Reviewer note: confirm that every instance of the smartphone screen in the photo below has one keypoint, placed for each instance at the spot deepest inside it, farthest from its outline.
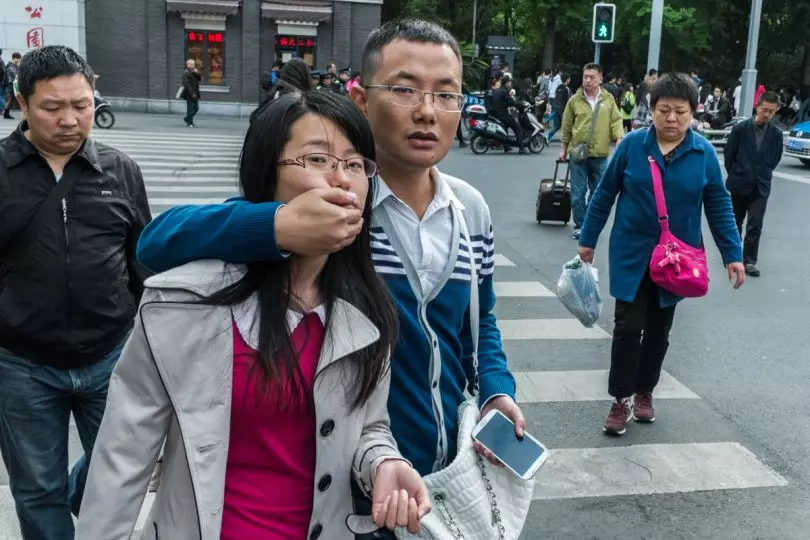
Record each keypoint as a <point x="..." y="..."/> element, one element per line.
<point x="498" y="435"/>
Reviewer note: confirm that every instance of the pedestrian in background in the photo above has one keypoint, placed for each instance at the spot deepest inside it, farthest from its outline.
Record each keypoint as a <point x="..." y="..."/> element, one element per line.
<point x="191" y="91"/>
<point x="71" y="284"/>
<point x="591" y="122"/>
<point x="560" y="101"/>
<point x="753" y="151"/>
<point x="12" y="68"/>
<point x="692" y="179"/>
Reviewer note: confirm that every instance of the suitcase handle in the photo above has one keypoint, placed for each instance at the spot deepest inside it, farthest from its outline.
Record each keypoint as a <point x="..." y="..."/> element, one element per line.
<point x="557" y="168"/>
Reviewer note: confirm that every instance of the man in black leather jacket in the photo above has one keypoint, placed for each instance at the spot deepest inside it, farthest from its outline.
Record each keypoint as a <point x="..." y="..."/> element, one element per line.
<point x="68" y="302"/>
<point x="501" y="101"/>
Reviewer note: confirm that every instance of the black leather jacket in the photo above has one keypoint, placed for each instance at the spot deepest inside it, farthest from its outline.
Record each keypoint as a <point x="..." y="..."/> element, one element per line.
<point x="72" y="295"/>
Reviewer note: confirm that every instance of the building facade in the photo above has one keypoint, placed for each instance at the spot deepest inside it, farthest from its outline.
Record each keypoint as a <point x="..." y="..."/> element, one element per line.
<point x="30" y="24"/>
<point x="139" y="47"/>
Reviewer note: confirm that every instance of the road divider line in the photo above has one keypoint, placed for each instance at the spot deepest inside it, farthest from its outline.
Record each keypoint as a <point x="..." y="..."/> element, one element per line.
<point x="523" y="329"/>
<point x="651" y="468"/>
<point x="586" y="385"/>
<point x="511" y="289"/>
<point x="792" y="177"/>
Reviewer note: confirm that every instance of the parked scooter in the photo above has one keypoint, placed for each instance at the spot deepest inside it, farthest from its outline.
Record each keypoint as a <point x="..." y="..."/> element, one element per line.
<point x="490" y="133"/>
<point x="105" y="119"/>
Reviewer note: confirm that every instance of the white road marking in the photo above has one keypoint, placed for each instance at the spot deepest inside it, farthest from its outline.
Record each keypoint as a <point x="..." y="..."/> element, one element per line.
<point x="501" y="260"/>
<point x="651" y="468"/>
<point x="548" y="329"/>
<point x="521" y="289"/>
<point x="792" y="177"/>
<point x="589" y="385"/>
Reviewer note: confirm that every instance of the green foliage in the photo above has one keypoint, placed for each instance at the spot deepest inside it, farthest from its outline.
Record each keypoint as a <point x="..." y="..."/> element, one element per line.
<point x="475" y="69"/>
<point x="710" y="36"/>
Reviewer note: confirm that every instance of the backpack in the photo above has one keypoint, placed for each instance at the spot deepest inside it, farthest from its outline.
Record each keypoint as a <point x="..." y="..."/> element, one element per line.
<point x="627" y="105"/>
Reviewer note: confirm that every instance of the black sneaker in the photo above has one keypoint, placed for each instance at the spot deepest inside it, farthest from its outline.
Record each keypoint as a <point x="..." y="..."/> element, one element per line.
<point x="752" y="270"/>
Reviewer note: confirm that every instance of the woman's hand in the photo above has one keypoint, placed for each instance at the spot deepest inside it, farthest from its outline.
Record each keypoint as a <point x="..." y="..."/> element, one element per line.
<point x="586" y="254"/>
<point x="736" y="272"/>
<point x="400" y="496"/>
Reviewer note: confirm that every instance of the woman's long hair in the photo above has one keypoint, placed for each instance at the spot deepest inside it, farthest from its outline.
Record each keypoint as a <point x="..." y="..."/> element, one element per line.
<point x="294" y="77"/>
<point x="348" y="274"/>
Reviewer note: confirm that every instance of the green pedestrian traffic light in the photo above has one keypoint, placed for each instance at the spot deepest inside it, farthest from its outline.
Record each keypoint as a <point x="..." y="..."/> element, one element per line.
<point x="604" y="21"/>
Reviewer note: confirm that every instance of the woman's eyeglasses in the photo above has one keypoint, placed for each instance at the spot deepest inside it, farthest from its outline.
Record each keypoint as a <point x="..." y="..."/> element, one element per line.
<point x="405" y="96"/>
<point x="357" y="166"/>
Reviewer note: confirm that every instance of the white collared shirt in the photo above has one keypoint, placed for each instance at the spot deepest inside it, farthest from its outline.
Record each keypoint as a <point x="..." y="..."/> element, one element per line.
<point x="246" y="317"/>
<point x="426" y="242"/>
<point x="593" y="101"/>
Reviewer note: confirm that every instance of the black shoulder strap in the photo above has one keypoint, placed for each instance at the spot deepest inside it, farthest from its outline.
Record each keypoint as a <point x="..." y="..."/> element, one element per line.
<point x="26" y="237"/>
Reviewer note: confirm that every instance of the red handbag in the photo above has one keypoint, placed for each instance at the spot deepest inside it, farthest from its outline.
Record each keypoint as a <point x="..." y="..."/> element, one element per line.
<point x="675" y="266"/>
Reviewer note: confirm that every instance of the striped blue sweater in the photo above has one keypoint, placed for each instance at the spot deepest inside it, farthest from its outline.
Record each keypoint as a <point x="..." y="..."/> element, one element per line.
<point x="432" y="362"/>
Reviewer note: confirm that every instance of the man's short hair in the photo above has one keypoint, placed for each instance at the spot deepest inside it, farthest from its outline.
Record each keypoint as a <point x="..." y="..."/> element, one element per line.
<point x="593" y="67"/>
<point x="652" y="72"/>
<point x="565" y="76"/>
<point x="50" y="62"/>
<point x="769" y="97"/>
<point x="413" y="30"/>
<point x="675" y="86"/>
<point x="15" y="55"/>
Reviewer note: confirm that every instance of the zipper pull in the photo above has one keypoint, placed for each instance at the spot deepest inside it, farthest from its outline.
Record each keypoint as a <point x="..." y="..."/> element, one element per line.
<point x="64" y="211"/>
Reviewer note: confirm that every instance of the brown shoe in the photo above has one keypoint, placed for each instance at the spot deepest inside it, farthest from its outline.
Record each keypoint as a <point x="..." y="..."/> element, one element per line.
<point x="616" y="423"/>
<point x="643" y="408"/>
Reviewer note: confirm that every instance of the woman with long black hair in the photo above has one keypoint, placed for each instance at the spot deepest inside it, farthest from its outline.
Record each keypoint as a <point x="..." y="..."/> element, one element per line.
<point x="268" y="381"/>
<point x="294" y="76"/>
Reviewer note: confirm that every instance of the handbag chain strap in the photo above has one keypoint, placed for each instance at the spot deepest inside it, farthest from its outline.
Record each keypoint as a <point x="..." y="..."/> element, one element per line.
<point x="474" y="329"/>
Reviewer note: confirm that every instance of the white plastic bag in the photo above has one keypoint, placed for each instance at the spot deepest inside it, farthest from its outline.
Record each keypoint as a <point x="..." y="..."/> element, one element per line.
<point x="578" y="290"/>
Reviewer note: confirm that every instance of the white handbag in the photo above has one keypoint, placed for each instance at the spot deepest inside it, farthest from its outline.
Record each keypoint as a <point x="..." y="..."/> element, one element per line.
<point x="471" y="498"/>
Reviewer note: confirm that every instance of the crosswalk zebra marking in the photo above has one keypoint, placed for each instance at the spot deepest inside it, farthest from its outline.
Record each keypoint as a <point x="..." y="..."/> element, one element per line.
<point x="502" y="260"/>
<point x="587" y="385"/>
<point x="647" y="469"/>
<point x="548" y="329"/>
<point x="507" y="289"/>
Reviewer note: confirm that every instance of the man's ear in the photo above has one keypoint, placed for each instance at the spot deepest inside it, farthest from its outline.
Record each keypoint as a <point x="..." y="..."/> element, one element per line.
<point x="23" y="105"/>
<point x="358" y="95"/>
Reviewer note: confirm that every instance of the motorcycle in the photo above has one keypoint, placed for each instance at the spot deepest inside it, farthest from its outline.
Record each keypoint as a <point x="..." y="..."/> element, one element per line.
<point x="490" y="133"/>
<point x="105" y="119"/>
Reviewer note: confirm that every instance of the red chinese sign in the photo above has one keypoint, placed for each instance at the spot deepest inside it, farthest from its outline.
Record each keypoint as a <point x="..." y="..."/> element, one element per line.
<point x="293" y="42"/>
<point x="213" y="37"/>
<point x="34" y="12"/>
<point x="34" y="38"/>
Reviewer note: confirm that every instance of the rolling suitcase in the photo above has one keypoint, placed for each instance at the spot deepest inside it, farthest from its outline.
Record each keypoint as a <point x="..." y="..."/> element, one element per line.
<point x="554" y="197"/>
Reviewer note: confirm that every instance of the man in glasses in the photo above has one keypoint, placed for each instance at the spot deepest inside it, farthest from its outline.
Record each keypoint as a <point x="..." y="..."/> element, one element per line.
<point x="411" y="94"/>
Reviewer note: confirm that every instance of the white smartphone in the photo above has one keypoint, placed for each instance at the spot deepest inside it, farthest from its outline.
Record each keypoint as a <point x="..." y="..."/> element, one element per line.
<point x="521" y="456"/>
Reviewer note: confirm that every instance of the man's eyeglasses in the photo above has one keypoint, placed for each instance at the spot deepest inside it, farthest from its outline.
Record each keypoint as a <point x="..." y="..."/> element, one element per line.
<point x="357" y="166"/>
<point x="405" y="96"/>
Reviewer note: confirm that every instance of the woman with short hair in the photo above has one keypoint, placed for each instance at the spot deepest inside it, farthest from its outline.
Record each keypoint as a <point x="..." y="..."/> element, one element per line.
<point x="692" y="180"/>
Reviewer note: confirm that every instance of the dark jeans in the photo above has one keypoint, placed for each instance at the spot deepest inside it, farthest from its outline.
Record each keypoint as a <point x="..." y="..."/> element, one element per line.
<point x="192" y="107"/>
<point x="753" y="206"/>
<point x="509" y="121"/>
<point x="584" y="178"/>
<point x="35" y="406"/>
<point x="640" y="342"/>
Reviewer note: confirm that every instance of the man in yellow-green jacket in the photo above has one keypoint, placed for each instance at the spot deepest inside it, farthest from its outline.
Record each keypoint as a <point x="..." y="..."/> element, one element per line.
<point x="587" y="165"/>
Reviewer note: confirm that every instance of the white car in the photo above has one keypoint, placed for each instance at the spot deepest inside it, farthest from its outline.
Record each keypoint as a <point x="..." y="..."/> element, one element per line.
<point x="797" y="143"/>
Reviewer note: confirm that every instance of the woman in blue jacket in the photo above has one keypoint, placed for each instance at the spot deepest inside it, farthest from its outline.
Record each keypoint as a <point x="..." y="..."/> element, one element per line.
<point x="692" y="179"/>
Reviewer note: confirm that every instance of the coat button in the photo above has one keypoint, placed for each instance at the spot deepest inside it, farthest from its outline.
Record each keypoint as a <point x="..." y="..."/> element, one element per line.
<point x="316" y="532"/>
<point x="327" y="428"/>
<point x="325" y="482"/>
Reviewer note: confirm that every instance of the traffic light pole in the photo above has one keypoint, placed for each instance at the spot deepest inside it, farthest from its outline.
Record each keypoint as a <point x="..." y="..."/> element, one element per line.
<point x="654" y="51"/>
<point x="749" y="74"/>
<point x="597" y="53"/>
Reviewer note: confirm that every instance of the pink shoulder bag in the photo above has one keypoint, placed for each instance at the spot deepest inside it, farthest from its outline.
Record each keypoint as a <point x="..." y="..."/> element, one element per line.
<point x="675" y="266"/>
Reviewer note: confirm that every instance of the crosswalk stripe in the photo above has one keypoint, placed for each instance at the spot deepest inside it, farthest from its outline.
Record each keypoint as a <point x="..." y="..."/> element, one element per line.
<point x="792" y="177"/>
<point x="502" y="260"/>
<point x="184" y="200"/>
<point x="169" y="190"/>
<point x="505" y="289"/>
<point x="651" y="468"/>
<point x="548" y="329"/>
<point x="588" y="385"/>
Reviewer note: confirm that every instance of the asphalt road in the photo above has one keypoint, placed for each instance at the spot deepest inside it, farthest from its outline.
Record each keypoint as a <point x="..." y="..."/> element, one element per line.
<point x="726" y="458"/>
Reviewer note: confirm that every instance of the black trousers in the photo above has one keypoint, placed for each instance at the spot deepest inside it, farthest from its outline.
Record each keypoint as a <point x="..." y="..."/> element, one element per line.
<point x="753" y="207"/>
<point x="640" y="342"/>
<point x="509" y="121"/>
<point x="192" y="107"/>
